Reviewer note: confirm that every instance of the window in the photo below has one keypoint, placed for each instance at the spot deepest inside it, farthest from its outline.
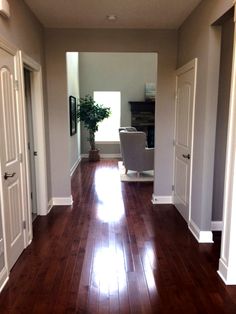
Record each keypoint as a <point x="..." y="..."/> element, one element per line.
<point x="108" y="128"/>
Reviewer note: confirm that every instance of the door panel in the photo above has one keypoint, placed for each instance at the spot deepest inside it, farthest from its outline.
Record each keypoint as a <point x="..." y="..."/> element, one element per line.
<point x="181" y="185"/>
<point x="8" y="115"/>
<point x="10" y="159"/>
<point x="183" y="136"/>
<point x="14" y="210"/>
<point x="183" y="113"/>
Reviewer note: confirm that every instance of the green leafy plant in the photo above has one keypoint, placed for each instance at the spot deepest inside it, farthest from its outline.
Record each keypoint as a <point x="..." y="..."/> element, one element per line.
<point x="91" y="113"/>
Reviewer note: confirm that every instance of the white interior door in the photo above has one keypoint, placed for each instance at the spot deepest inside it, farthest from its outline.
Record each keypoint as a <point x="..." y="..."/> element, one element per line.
<point x="10" y="159"/>
<point x="185" y="98"/>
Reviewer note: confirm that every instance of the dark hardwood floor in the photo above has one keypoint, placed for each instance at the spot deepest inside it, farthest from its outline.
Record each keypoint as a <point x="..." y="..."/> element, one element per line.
<point x="115" y="252"/>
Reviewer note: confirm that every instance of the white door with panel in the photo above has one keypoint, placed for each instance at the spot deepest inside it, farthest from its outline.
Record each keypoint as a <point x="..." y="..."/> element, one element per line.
<point x="10" y="158"/>
<point x="185" y="100"/>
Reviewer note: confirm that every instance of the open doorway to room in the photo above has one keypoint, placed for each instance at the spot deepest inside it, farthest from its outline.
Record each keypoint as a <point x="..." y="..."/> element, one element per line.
<point x="33" y="141"/>
<point x="125" y="73"/>
<point x="32" y="153"/>
<point x="226" y="23"/>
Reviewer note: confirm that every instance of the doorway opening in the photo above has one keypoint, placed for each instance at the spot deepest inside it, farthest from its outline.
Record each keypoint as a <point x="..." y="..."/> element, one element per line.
<point x="132" y="75"/>
<point x="226" y="23"/>
<point x="30" y="144"/>
<point x="226" y="57"/>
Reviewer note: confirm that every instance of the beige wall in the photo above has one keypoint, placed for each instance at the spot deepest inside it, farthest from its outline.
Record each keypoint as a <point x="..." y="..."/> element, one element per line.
<point x="124" y="72"/>
<point x="23" y="30"/>
<point x="58" y="42"/>
<point x="72" y="61"/>
<point x="198" y="39"/>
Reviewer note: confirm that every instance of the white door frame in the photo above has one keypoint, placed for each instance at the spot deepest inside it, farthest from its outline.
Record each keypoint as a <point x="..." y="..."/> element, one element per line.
<point x="39" y="137"/>
<point x="227" y="262"/>
<point x="188" y="66"/>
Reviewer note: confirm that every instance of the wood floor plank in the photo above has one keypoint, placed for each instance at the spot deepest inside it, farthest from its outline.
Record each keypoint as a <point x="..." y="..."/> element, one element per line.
<point x="113" y="251"/>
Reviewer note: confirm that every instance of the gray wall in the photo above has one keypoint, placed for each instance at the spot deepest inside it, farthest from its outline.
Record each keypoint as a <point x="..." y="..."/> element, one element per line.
<point x="198" y="39"/>
<point x="72" y="61"/>
<point x="58" y="41"/>
<point x="124" y="72"/>
<point x="222" y="117"/>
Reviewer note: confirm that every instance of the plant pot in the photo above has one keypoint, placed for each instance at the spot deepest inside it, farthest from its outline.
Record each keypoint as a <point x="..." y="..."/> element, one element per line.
<point x="94" y="155"/>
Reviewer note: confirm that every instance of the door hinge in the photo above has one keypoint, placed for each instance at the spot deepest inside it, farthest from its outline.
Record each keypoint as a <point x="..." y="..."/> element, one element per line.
<point x="24" y="224"/>
<point x="31" y="195"/>
<point x="20" y="157"/>
<point x="173" y="187"/>
<point x="16" y="85"/>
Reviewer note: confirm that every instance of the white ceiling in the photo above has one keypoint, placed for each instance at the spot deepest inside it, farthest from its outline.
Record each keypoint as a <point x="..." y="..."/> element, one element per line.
<point x="132" y="14"/>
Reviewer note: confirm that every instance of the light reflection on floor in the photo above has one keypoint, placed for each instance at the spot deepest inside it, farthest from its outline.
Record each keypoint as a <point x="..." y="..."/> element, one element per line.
<point x="109" y="268"/>
<point x="108" y="190"/>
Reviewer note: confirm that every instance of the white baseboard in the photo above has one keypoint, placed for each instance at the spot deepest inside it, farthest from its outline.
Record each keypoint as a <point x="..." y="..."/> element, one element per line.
<point x="50" y="205"/>
<point x="229" y="278"/>
<point x="57" y="201"/>
<point x="201" y="236"/>
<point x="72" y="170"/>
<point x="104" y="156"/>
<point x="3" y="278"/>
<point x="216" y="225"/>
<point x="162" y="199"/>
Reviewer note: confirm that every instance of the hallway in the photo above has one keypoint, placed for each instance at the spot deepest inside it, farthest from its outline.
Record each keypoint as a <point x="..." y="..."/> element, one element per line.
<point x="115" y="252"/>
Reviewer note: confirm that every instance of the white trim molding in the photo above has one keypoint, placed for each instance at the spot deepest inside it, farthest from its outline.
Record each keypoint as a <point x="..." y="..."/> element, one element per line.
<point x="200" y="236"/>
<point x="50" y="205"/>
<point x="227" y="274"/>
<point x="39" y="130"/>
<point x="168" y="199"/>
<point x="3" y="278"/>
<point x="216" y="225"/>
<point x="73" y="168"/>
<point x="60" y="201"/>
<point x="227" y="263"/>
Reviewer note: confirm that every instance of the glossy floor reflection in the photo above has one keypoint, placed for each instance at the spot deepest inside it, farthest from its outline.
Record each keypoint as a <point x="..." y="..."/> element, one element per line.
<point x="115" y="252"/>
<point x="110" y="207"/>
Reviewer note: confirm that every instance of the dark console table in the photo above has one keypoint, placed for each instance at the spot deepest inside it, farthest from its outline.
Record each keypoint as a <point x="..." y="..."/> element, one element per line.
<point x="143" y="118"/>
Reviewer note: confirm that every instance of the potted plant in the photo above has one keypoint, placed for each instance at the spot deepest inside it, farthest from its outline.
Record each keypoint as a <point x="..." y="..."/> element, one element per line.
<point x="91" y="113"/>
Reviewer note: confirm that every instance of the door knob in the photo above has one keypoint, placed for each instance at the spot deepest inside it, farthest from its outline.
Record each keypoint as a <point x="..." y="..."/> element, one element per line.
<point x="186" y="156"/>
<point x="8" y="175"/>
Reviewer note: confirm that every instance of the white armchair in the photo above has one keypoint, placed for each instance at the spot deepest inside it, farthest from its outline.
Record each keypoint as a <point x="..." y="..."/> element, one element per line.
<point x="135" y="155"/>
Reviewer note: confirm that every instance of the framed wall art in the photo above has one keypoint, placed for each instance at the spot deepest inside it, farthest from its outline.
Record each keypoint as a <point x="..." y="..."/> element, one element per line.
<point x="73" y="115"/>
